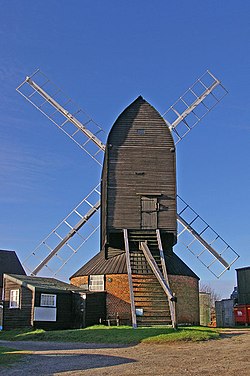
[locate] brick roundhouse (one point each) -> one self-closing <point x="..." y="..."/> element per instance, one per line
<point x="139" y="219"/>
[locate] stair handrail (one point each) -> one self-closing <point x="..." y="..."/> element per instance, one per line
<point x="155" y="269"/>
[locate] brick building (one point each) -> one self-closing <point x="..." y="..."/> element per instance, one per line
<point x="110" y="275"/>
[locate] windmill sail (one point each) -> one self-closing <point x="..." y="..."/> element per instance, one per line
<point x="66" y="239"/>
<point x="55" y="251"/>
<point x="193" y="105"/>
<point x="64" y="113"/>
<point x="202" y="241"/>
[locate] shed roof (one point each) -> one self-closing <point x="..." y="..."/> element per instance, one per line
<point x="244" y="268"/>
<point x="9" y="263"/>
<point x="117" y="265"/>
<point x="41" y="283"/>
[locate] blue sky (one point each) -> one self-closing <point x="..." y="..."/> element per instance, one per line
<point x="104" y="54"/>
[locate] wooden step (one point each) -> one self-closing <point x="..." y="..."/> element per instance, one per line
<point x="154" y="320"/>
<point x="148" y="293"/>
<point x="153" y="310"/>
<point x="155" y="317"/>
<point x="160" y="299"/>
<point x="148" y="285"/>
<point x="151" y="290"/>
<point x="150" y="322"/>
<point x="156" y="304"/>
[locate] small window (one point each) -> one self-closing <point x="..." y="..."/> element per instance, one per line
<point x="96" y="283"/>
<point x="141" y="132"/>
<point x="48" y="300"/>
<point x="14" y="299"/>
<point x="140" y="173"/>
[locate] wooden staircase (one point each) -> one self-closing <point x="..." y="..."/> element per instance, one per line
<point x="150" y="297"/>
<point x="150" y="301"/>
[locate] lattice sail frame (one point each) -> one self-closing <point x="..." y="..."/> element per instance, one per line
<point x="194" y="105"/>
<point x="203" y="241"/>
<point x="65" y="240"/>
<point x="64" y="113"/>
<point x="181" y="118"/>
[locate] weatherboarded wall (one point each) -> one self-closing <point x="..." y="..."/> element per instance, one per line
<point x="243" y="282"/>
<point x="63" y="311"/>
<point x="139" y="162"/>
<point x="225" y="313"/>
<point x="17" y="317"/>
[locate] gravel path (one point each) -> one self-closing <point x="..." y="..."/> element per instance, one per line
<point x="228" y="356"/>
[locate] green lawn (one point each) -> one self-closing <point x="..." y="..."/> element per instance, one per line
<point x="9" y="356"/>
<point x="119" y="335"/>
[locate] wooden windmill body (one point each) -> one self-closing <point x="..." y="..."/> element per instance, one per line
<point x="138" y="178"/>
<point x="138" y="193"/>
<point x="141" y="274"/>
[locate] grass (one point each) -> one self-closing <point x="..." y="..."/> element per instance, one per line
<point x="116" y="335"/>
<point x="9" y="356"/>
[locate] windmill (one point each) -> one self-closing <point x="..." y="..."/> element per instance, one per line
<point x="195" y="234"/>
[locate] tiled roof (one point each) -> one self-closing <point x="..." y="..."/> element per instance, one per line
<point x="117" y="265"/>
<point x="99" y="265"/>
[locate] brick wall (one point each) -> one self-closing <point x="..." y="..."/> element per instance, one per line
<point x="118" y="299"/>
<point x="80" y="281"/>
<point x="187" y="293"/>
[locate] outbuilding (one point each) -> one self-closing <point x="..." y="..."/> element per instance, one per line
<point x="48" y="303"/>
<point x="242" y="308"/>
<point x="9" y="263"/>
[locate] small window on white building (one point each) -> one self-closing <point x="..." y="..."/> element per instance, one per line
<point x="96" y="283"/>
<point x="48" y="300"/>
<point x="14" y="299"/>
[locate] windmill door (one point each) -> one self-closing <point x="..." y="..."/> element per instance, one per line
<point x="149" y="207"/>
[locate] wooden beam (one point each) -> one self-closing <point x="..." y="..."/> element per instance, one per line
<point x="130" y="282"/>
<point x="71" y="233"/>
<point x="155" y="269"/>
<point x="202" y="241"/>
<point x="172" y="304"/>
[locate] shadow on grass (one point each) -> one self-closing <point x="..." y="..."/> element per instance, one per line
<point x="119" y="336"/>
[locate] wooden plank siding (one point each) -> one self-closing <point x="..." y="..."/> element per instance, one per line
<point x="95" y="308"/>
<point x="30" y="299"/>
<point x="139" y="161"/>
<point x="64" y="317"/>
<point x="17" y="317"/>
<point x="243" y="282"/>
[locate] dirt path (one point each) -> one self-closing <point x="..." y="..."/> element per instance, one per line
<point x="228" y="356"/>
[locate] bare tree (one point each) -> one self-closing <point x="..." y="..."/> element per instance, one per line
<point x="214" y="295"/>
